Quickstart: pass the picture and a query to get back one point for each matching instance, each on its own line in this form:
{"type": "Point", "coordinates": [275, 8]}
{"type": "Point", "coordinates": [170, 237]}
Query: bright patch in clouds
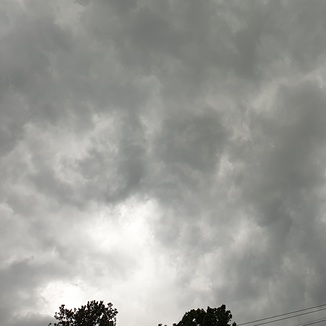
{"type": "Point", "coordinates": [59, 292]}
{"type": "Point", "coordinates": [126, 226]}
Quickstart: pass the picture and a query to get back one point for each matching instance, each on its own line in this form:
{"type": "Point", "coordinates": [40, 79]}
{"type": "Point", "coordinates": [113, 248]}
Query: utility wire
{"type": "Point", "coordinates": [312, 322]}
{"type": "Point", "coordinates": [285, 314]}
{"type": "Point", "coordinates": [289, 317]}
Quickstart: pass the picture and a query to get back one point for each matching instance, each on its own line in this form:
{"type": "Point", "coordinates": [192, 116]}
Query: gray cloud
{"type": "Point", "coordinates": [161, 155]}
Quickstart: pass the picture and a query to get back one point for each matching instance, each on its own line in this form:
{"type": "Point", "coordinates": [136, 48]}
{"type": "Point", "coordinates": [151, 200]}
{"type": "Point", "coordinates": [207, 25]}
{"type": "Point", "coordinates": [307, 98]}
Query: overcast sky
{"type": "Point", "coordinates": [162, 155]}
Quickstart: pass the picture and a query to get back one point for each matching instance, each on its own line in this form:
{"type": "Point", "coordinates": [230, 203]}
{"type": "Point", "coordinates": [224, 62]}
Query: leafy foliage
{"type": "Point", "coordinates": [94, 313]}
{"type": "Point", "coordinates": [211, 317]}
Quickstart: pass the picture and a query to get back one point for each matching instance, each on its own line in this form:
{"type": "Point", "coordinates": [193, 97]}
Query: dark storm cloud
{"type": "Point", "coordinates": [19, 282]}
{"type": "Point", "coordinates": [282, 187]}
{"type": "Point", "coordinates": [189, 155]}
{"type": "Point", "coordinates": [163, 154]}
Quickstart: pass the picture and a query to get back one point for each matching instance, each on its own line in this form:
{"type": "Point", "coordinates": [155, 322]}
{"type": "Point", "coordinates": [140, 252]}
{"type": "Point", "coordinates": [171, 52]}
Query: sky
{"type": "Point", "coordinates": [162, 155]}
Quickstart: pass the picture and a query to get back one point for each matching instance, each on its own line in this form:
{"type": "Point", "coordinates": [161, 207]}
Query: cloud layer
{"type": "Point", "coordinates": [161, 155]}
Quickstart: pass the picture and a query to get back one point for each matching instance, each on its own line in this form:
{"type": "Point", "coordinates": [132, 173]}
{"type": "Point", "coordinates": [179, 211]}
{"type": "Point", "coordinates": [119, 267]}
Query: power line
{"type": "Point", "coordinates": [312, 322]}
{"type": "Point", "coordinates": [289, 317]}
{"type": "Point", "coordinates": [285, 314]}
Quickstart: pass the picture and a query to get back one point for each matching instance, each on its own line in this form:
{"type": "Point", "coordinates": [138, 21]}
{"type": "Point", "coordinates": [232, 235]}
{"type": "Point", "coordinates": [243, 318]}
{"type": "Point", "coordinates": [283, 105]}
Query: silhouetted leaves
{"type": "Point", "coordinates": [94, 313]}
{"type": "Point", "coordinates": [211, 317]}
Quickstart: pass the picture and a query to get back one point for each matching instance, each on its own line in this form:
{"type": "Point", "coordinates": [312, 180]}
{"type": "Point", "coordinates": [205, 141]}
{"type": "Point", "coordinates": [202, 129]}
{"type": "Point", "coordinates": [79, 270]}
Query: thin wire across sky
{"type": "Point", "coordinates": [289, 315]}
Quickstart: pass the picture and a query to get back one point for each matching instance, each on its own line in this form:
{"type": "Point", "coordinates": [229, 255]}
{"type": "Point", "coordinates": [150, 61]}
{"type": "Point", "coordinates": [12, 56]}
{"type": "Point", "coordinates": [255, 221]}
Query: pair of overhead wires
{"type": "Point", "coordinates": [289, 315]}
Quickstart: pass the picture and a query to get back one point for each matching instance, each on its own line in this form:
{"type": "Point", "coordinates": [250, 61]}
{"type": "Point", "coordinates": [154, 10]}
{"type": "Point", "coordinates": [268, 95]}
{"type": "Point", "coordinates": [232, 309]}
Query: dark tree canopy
{"type": "Point", "coordinates": [94, 313]}
{"type": "Point", "coordinates": [211, 317]}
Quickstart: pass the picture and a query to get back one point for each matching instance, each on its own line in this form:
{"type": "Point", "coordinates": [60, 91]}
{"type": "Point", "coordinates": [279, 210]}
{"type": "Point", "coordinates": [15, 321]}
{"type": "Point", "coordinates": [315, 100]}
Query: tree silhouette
{"type": "Point", "coordinates": [94, 313]}
{"type": "Point", "coordinates": [211, 317]}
